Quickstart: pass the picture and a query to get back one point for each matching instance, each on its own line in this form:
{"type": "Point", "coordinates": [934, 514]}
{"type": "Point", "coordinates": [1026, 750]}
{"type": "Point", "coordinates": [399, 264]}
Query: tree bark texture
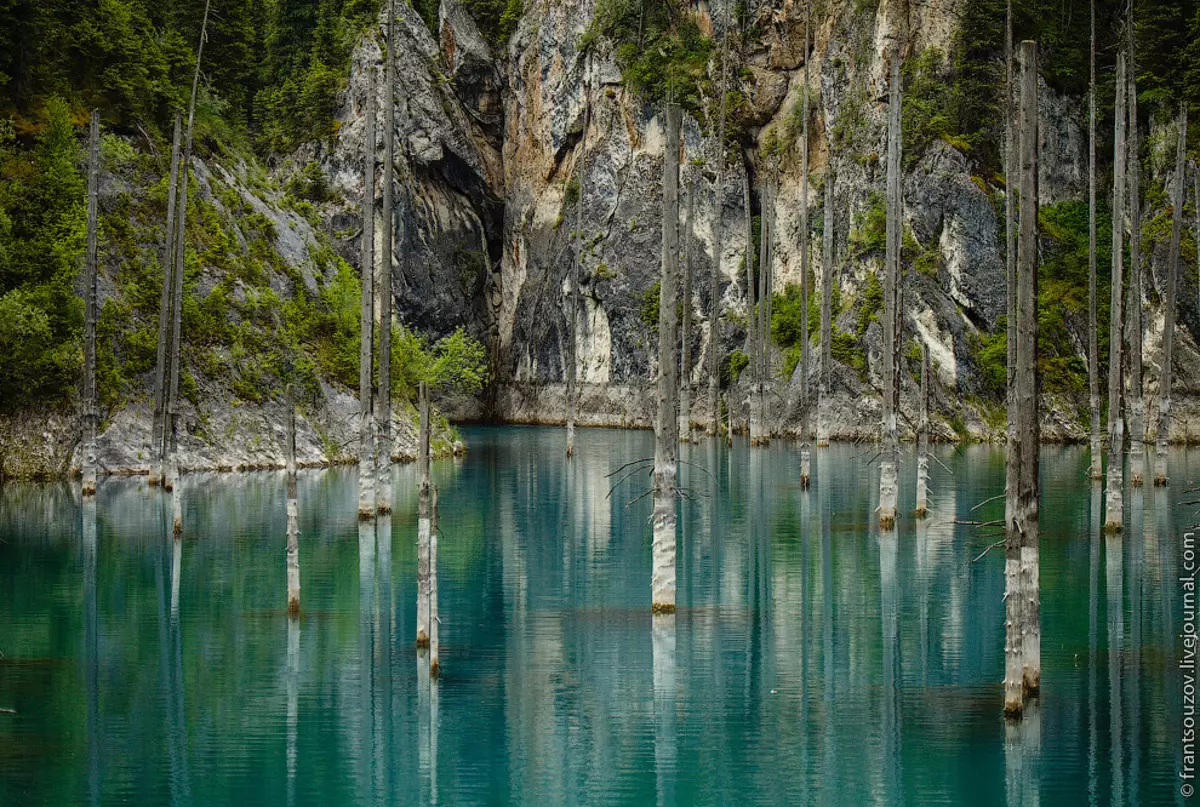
{"type": "Point", "coordinates": [665, 438]}
{"type": "Point", "coordinates": [1163, 433]}
{"type": "Point", "coordinates": [366, 349]}
{"type": "Point", "coordinates": [383, 392]}
{"type": "Point", "coordinates": [805, 400]}
{"type": "Point", "coordinates": [293, 505]}
{"type": "Point", "coordinates": [158, 430]}
{"type": "Point", "coordinates": [172, 477]}
{"type": "Point", "coordinates": [823, 389]}
{"type": "Point", "coordinates": [889, 462]}
{"type": "Point", "coordinates": [685, 328]}
{"type": "Point", "coordinates": [923, 439]}
{"type": "Point", "coordinates": [714, 277]}
{"type": "Point", "coordinates": [1137, 402]}
{"type": "Point", "coordinates": [1097, 438]}
{"type": "Point", "coordinates": [91, 404]}
{"type": "Point", "coordinates": [1114, 494]}
{"type": "Point", "coordinates": [424, 525]}
{"type": "Point", "coordinates": [1027, 382]}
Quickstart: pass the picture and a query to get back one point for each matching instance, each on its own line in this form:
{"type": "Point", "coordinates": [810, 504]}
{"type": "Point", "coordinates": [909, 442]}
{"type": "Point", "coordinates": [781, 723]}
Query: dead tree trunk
{"type": "Point", "coordinates": [172, 479]}
{"type": "Point", "coordinates": [1027, 386]}
{"type": "Point", "coordinates": [823, 389]}
{"type": "Point", "coordinates": [805, 403]}
{"type": "Point", "coordinates": [91, 406]}
{"type": "Point", "coordinates": [889, 462]}
{"type": "Point", "coordinates": [1133, 303]}
{"type": "Point", "coordinates": [293, 505]}
{"type": "Point", "coordinates": [1114, 498]}
{"type": "Point", "coordinates": [1097, 439]}
{"type": "Point", "coordinates": [665, 439]}
{"type": "Point", "coordinates": [764, 291]}
{"type": "Point", "coordinates": [1163, 435]}
{"type": "Point", "coordinates": [751, 320]}
{"type": "Point", "coordinates": [435, 665]}
{"type": "Point", "coordinates": [923, 439]}
{"type": "Point", "coordinates": [366, 348]}
{"type": "Point", "coordinates": [714, 317]}
{"type": "Point", "coordinates": [158, 447]}
{"type": "Point", "coordinates": [424, 527]}
{"type": "Point", "coordinates": [383, 287]}
{"type": "Point", "coordinates": [573, 291]}
{"type": "Point", "coordinates": [685, 329]}
{"type": "Point", "coordinates": [1012, 191]}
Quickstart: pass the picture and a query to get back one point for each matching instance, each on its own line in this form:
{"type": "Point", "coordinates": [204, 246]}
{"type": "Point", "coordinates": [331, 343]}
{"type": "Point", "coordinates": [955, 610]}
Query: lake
{"type": "Point", "coordinates": [812, 660]}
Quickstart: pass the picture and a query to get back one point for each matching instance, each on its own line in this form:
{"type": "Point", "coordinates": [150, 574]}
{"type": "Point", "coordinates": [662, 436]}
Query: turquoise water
{"type": "Point", "coordinates": [811, 661]}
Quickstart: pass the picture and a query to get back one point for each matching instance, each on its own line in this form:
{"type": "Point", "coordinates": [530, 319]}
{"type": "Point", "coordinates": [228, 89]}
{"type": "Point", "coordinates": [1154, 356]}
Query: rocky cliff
{"type": "Point", "coordinates": [495, 154]}
{"type": "Point", "coordinates": [503, 175]}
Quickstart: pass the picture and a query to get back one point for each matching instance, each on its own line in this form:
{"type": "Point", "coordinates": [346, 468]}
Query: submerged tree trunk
{"type": "Point", "coordinates": [685, 329]}
{"type": "Point", "coordinates": [805, 401]}
{"type": "Point", "coordinates": [1163, 435]}
{"type": "Point", "coordinates": [923, 439]}
{"type": "Point", "coordinates": [383, 400]}
{"type": "Point", "coordinates": [714, 317]}
{"type": "Point", "coordinates": [157, 431]}
{"type": "Point", "coordinates": [1114, 493]}
{"type": "Point", "coordinates": [823, 389]}
{"type": "Point", "coordinates": [435, 665]}
{"type": "Point", "coordinates": [1027, 384]}
{"type": "Point", "coordinates": [1097, 440]}
{"type": "Point", "coordinates": [665, 439]}
{"type": "Point", "coordinates": [424, 527]}
{"type": "Point", "coordinates": [889, 462]}
{"type": "Point", "coordinates": [366, 348]}
{"type": "Point", "coordinates": [1012, 549]}
{"type": "Point", "coordinates": [1137, 403]}
{"type": "Point", "coordinates": [293, 505]}
{"type": "Point", "coordinates": [91, 406]}
{"type": "Point", "coordinates": [172, 477]}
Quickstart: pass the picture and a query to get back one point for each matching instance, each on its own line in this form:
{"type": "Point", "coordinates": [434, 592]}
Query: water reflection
{"type": "Point", "coordinates": [812, 661]}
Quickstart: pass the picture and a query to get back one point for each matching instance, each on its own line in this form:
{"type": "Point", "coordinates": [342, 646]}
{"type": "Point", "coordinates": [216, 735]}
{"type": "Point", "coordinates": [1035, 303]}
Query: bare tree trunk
{"type": "Point", "coordinates": [923, 439]}
{"type": "Point", "coordinates": [751, 320]}
{"type": "Point", "coordinates": [685, 331]}
{"type": "Point", "coordinates": [435, 666]}
{"type": "Point", "coordinates": [383, 400]}
{"type": "Point", "coordinates": [889, 462]}
{"type": "Point", "coordinates": [1196, 224]}
{"type": "Point", "coordinates": [1097, 439]}
{"type": "Point", "coordinates": [1012, 548]}
{"type": "Point", "coordinates": [1163, 436]}
{"type": "Point", "coordinates": [1133, 304]}
{"type": "Point", "coordinates": [714, 319]}
{"type": "Point", "coordinates": [158, 447]}
{"type": "Point", "coordinates": [172, 478]}
{"type": "Point", "coordinates": [1027, 384]}
{"type": "Point", "coordinates": [91, 406]}
{"type": "Point", "coordinates": [293, 505]}
{"type": "Point", "coordinates": [1010, 217]}
{"type": "Point", "coordinates": [764, 291]}
{"type": "Point", "coordinates": [665, 439]}
{"type": "Point", "coordinates": [424, 526]}
{"type": "Point", "coordinates": [366, 348]}
{"type": "Point", "coordinates": [573, 292]}
{"type": "Point", "coordinates": [823, 390]}
{"type": "Point", "coordinates": [805, 403]}
{"type": "Point", "coordinates": [1113, 517]}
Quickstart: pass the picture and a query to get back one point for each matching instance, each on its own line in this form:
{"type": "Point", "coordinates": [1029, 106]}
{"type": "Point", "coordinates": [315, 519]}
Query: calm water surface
{"type": "Point", "coordinates": [812, 661]}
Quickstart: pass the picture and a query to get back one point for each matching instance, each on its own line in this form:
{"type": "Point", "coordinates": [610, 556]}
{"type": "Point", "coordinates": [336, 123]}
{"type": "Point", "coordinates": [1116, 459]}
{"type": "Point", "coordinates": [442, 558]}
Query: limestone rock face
{"type": "Point", "coordinates": [494, 155]}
